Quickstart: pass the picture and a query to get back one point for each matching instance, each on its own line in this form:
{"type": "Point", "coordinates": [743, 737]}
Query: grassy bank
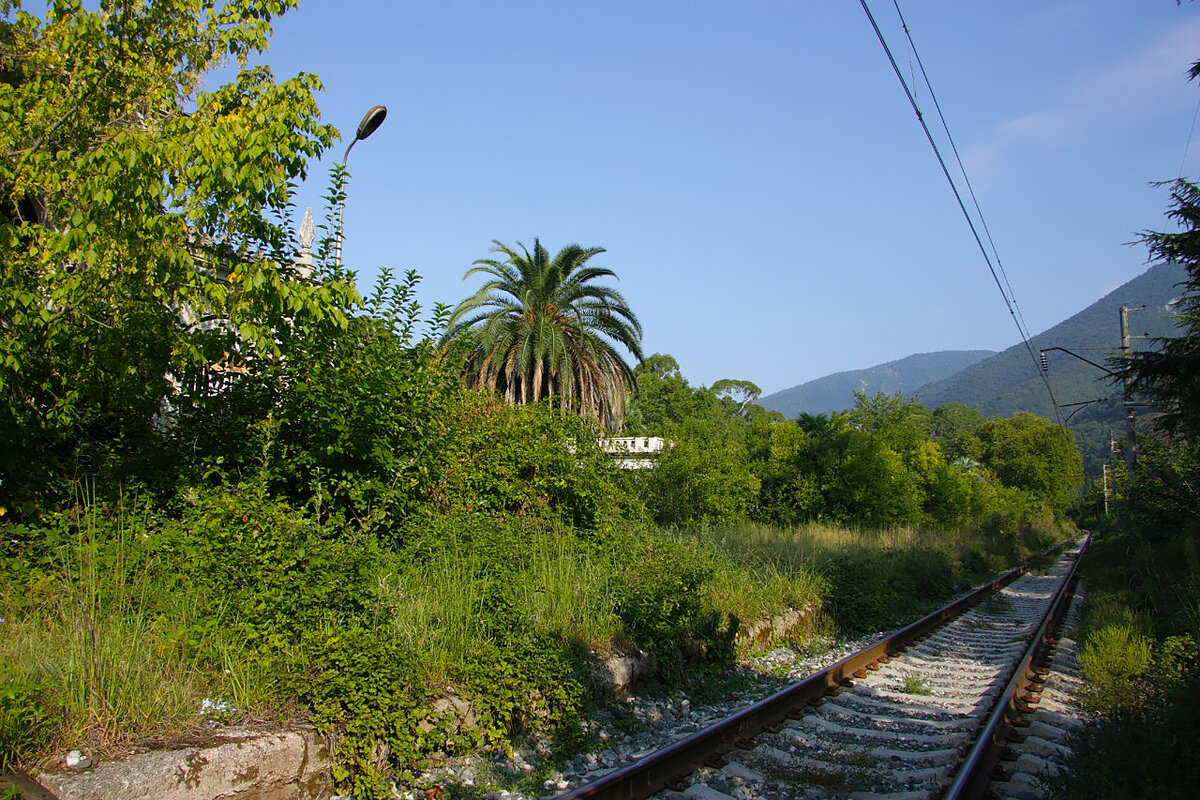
{"type": "Point", "coordinates": [1138, 640]}
{"type": "Point", "coordinates": [862, 580]}
{"type": "Point", "coordinates": [120, 623]}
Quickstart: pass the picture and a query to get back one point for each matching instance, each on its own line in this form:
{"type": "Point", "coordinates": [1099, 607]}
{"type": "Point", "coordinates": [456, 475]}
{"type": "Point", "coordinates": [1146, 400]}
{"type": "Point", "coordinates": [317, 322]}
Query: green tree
{"type": "Point", "coordinates": [353, 419]}
{"type": "Point", "coordinates": [135, 209]}
{"type": "Point", "coordinates": [540, 328]}
{"type": "Point", "coordinates": [1163, 500]}
{"type": "Point", "coordinates": [660, 364]}
{"type": "Point", "coordinates": [664, 398]}
{"type": "Point", "coordinates": [902, 424]}
{"type": "Point", "coordinates": [704, 474]}
{"type": "Point", "coordinates": [783, 460]}
{"type": "Point", "coordinates": [1170, 374]}
{"type": "Point", "coordinates": [955, 426]}
{"type": "Point", "coordinates": [1034, 455]}
{"type": "Point", "coordinates": [741, 392]}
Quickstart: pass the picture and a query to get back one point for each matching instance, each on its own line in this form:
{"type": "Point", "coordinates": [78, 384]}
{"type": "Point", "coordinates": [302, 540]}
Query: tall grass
{"type": "Point", "coordinates": [443, 606]}
{"type": "Point", "coordinates": [120, 652]}
{"type": "Point", "coordinates": [865, 579]}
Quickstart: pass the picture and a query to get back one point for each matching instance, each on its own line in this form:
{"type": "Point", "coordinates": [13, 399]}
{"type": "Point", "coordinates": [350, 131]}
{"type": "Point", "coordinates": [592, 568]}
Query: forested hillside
{"type": "Point", "coordinates": [1008, 382]}
{"type": "Point", "coordinates": [836, 392]}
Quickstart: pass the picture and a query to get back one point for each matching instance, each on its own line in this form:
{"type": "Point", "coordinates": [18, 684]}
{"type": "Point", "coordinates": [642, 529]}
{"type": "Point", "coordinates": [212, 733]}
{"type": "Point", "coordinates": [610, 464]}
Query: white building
{"type": "Point", "coordinates": [634, 452]}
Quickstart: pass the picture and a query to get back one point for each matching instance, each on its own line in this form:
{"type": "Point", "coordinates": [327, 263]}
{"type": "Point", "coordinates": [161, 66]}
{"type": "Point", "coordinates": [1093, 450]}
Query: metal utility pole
{"type": "Point", "coordinates": [1106, 490]}
{"type": "Point", "coordinates": [370, 121]}
{"type": "Point", "coordinates": [1130, 440]}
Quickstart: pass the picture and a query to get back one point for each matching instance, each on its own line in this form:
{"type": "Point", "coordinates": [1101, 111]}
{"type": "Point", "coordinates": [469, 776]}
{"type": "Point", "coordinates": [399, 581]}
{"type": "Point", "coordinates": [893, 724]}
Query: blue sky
{"type": "Point", "coordinates": [764, 192]}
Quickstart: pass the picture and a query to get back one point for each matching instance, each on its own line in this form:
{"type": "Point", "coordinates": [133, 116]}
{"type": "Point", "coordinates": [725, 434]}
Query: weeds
{"type": "Point", "coordinates": [914, 685]}
{"type": "Point", "coordinates": [1139, 655]}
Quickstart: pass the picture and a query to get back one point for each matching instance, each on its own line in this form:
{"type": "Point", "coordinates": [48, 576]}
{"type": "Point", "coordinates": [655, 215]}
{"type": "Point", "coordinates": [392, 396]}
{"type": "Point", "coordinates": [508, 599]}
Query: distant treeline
{"type": "Point", "coordinates": [886, 461]}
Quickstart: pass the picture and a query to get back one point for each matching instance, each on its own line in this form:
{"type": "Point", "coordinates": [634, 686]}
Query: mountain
{"type": "Point", "coordinates": [1009, 381]}
{"type": "Point", "coordinates": [836, 392]}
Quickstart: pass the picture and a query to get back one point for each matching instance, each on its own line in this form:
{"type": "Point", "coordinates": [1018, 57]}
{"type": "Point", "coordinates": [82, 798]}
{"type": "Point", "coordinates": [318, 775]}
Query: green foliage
{"type": "Point", "coordinates": [668, 615]}
{"type": "Point", "coordinates": [1163, 499]}
{"type": "Point", "coordinates": [703, 474]}
{"type": "Point", "coordinates": [955, 427]}
{"type": "Point", "coordinates": [1030, 453]}
{"type": "Point", "coordinates": [541, 328]}
{"type": "Point", "coordinates": [1139, 634]}
{"type": "Point", "coordinates": [353, 419]}
{"type": "Point", "coordinates": [901, 424]}
{"type": "Point", "coordinates": [274, 570]}
{"type": "Point", "coordinates": [24, 721]}
{"type": "Point", "coordinates": [1114, 659]}
{"type": "Point", "coordinates": [873, 485]}
{"type": "Point", "coordinates": [1133, 754]}
{"type": "Point", "coordinates": [883, 463]}
{"type": "Point", "coordinates": [914, 685]}
{"type": "Point", "coordinates": [135, 207]}
{"type": "Point", "coordinates": [741, 392]}
{"type": "Point", "coordinates": [873, 590]}
{"type": "Point", "coordinates": [523, 681]}
{"type": "Point", "coordinates": [1170, 374]}
{"type": "Point", "coordinates": [364, 691]}
{"type": "Point", "coordinates": [664, 398]}
{"type": "Point", "coordinates": [121, 641]}
{"type": "Point", "coordinates": [530, 461]}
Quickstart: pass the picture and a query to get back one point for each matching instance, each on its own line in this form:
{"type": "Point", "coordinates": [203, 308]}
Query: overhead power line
{"type": "Point", "coordinates": [1020, 318]}
{"type": "Point", "coordinates": [1188, 146]}
{"type": "Point", "coordinates": [1008, 301]}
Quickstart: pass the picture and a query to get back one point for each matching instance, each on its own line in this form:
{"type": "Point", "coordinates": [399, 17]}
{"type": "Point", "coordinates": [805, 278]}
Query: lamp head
{"type": "Point", "coordinates": [370, 121]}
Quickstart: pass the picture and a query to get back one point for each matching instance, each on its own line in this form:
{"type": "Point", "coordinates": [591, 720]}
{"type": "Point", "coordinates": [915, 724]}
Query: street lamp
{"type": "Point", "coordinates": [370, 122]}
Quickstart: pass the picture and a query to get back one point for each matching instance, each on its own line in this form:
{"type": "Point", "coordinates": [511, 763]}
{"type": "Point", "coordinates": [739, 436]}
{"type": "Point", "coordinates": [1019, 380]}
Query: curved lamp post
{"type": "Point", "coordinates": [368, 125]}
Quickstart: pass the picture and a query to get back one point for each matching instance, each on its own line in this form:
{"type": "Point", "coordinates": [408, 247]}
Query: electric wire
{"type": "Point", "coordinates": [1188, 146]}
{"type": "Point", "coordinates": [962, 207]}
{"type": "Point", "coordinates": [912, 45]}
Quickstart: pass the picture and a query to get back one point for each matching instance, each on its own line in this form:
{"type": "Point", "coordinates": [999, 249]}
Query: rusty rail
{"type": "Point", "coordinates": [975, 775]}
{"type": "Point", "coordinates": [664, 767]}
{"type": "Point", "coordinates": [26, 787]}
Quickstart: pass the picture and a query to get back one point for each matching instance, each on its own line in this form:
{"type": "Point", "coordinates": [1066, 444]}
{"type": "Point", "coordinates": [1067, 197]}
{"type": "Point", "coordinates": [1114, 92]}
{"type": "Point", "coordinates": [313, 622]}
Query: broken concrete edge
{"type": "Point", "coordinates": [282, 765]}
{"type": "Point", "coordinates": [771, 629]}
{"type": "Point", "coordinates": [621, 671]}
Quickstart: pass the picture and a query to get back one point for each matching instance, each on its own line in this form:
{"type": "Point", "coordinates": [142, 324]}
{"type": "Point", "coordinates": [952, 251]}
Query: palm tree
{"type": "Point", "coordinates": [540, 329]}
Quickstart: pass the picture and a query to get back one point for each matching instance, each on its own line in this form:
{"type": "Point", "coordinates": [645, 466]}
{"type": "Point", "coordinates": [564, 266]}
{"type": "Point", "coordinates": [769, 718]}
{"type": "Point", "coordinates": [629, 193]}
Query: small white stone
{"type": "Point", "coordinates": [77, 760]}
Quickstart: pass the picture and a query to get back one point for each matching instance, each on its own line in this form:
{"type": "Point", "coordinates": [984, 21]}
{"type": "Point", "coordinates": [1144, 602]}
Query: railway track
{"type": "Point", "coordinates": [927, 712]}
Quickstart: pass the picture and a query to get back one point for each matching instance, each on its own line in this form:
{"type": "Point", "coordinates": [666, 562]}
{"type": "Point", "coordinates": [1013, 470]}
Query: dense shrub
{"type": "Point", "coordinates": [703, 475]}
{"type": "Point", "coordinates": [529, 461]}
{"type": "Point", "coordinates": [349, 420]}
{"type": "Point", "coordinates": [878, 590]}
{"type": "Point", "coordinates": [270, 571]}
{"type": "Point", "coordinates": [668, 615]}
{"type": "Point", "coordinates": [1139, 632]}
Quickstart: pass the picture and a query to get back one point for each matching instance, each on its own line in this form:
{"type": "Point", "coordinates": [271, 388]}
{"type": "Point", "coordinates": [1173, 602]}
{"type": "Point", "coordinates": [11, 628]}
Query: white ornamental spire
{"type": "Point", "coordinates": [305, 235]}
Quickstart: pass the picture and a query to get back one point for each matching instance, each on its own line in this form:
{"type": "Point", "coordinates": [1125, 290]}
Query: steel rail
{"type": "Point", "coordinates": [663, 767]}
{"type": "Point", "coordinates": [26, 787]}
{"type": "Point", "coordinates": [975, 775]}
